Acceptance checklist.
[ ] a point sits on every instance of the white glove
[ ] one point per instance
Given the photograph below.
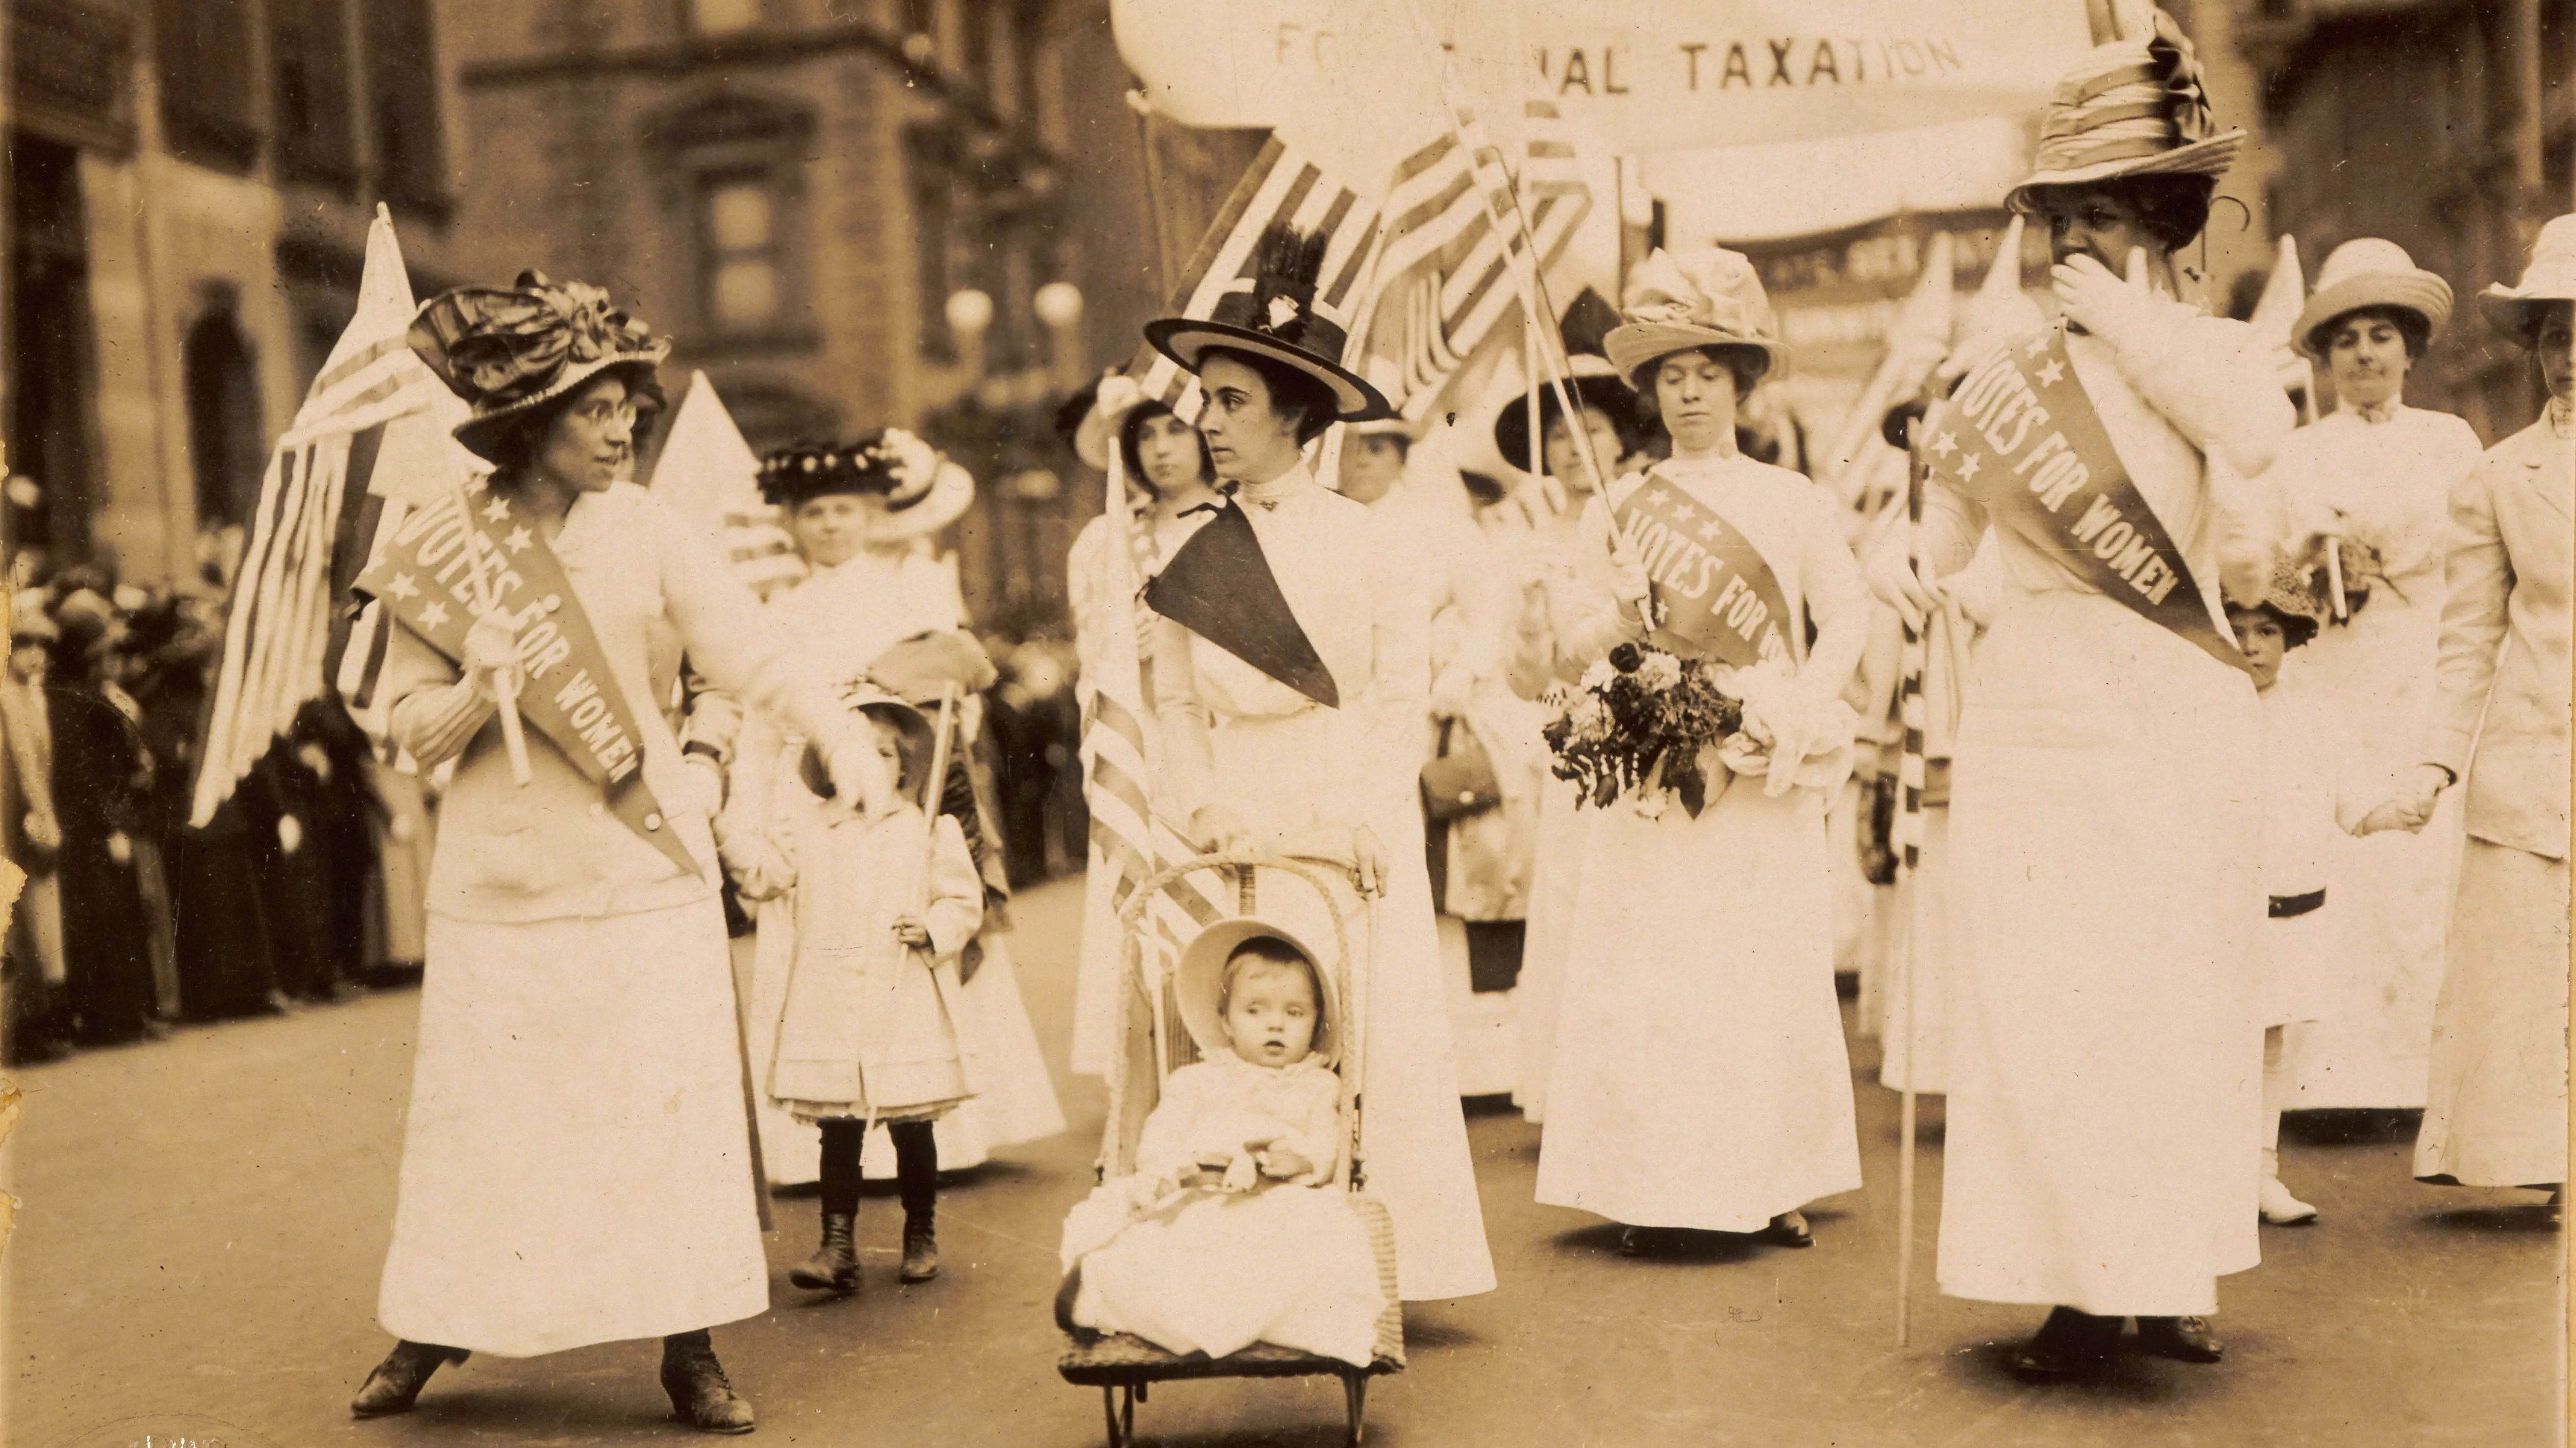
(491, 653)
(2123, 312)
(703, 790)
(1629, 583)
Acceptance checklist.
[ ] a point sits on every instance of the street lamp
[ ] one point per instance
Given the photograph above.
(1059, 306)
(969, 313)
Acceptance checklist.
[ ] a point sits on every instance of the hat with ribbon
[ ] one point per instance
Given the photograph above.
(2551, 277)
(509, 350)
(2130, 108)
(1275, 313)
(1678, 301)
(1199, 984)
(923, 491)
(1595, 387)
(2369, 272)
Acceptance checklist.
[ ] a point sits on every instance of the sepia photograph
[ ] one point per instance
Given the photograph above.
(1277, 723)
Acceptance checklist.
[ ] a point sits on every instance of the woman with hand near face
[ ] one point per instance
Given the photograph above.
(2378, 474)
(1291, 674)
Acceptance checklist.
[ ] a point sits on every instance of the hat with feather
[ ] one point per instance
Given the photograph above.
(1276, 312)
(2133, 107)
(923, 491)
(508, 351)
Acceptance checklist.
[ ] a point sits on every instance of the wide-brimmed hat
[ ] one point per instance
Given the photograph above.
(1199, 984)
(510, 350)
(863, 697)
(2130, 108)
(1679, 301)
(1596, 387)
(923, 490)
(2369, 272)
(1275, 313)
(2551, 277)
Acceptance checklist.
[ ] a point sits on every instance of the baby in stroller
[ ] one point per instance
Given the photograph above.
(1233, 1229)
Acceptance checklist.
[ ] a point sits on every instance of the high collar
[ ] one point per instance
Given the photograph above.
(2376, 413)
(1268, 496)
(2562, 417)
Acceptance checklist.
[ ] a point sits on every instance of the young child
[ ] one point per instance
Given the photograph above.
(1233, 1228)
(866, 1030)
(2311, 788)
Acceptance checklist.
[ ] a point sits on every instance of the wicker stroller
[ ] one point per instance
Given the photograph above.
(1123, 1366)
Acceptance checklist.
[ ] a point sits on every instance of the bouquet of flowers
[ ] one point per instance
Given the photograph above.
(1643, 718)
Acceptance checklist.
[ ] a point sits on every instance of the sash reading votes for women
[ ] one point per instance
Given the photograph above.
(1713, 592)
(568, 691)
(2021, 438)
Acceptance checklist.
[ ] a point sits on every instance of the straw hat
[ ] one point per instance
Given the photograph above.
(1199, 982)
(2369, 273)
(2551, 277)
(1596, 386)
(2130, 108)
(1678, 301)
(1275, 313)
(509, 350)
(923, 491)
(2296, 595)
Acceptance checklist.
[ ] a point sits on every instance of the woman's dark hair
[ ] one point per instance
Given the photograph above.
(1131, 434)
(2410, 325)
(515, 446)
(2172, 209)
(1292, 391)
(1747, 363)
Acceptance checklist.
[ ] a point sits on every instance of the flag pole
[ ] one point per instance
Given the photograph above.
(1537, 311)
(1913, 717)
(487, 604)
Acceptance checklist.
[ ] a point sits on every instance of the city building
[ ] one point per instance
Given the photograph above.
(848, 214)
(189, 186)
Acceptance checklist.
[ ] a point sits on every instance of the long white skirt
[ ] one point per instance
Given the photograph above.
(576, 1165)
(1556, 877)
(1701, 1079)
(2106, 1063)
(1017, 1103)
(1290, 774)
(2498, 1113)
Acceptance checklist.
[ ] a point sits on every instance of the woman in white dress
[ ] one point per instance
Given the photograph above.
(2102, 1135)
(1558, 577)
(871, 585)
(576, 1166)
(1170, 483)
(1290, 671)
(1700, 1078)
(2379, 474)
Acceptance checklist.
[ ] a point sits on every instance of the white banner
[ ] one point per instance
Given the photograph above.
(1641, 75)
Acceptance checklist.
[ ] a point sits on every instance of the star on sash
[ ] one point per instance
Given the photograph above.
(518, 541)
(1684, 512)
(434, 614)
(1968, 466)
(2039, 345)
(498, 510)
(401, 586)
(1710, 530)
(1943, 444)
(2050, 375)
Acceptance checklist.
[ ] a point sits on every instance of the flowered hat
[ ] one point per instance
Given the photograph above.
(2369, 272)
(2130, 108)
(508, 350)
(2551, 277)
(1199, 984)
(1678, 301)
(1277, 313)
(2297, 595)
(1596, 387)
(923, 491)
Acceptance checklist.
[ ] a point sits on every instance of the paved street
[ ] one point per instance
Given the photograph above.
(204, 1217)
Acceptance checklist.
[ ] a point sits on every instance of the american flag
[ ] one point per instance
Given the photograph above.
(374, 418)
(711, 475)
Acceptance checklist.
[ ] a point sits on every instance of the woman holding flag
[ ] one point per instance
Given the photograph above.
(576, 1163)
(1700, 1080)
(1290, 673)
(2102, 1143)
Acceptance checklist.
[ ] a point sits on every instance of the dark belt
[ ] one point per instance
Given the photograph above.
(2290, 907)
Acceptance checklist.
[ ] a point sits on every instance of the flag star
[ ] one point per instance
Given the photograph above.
(518, 541)
(434, 614)
(498, 510)
(1710, 529)
(1684, 512)
(401, 586)
(1968, 466)
(2050, 374)
(1943, 444)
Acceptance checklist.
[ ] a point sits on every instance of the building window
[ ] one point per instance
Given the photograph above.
(202, 52)
(722, 17)
(225, 433)
(738, 228)
(934, 223)
(309, 53)
(402, 91)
